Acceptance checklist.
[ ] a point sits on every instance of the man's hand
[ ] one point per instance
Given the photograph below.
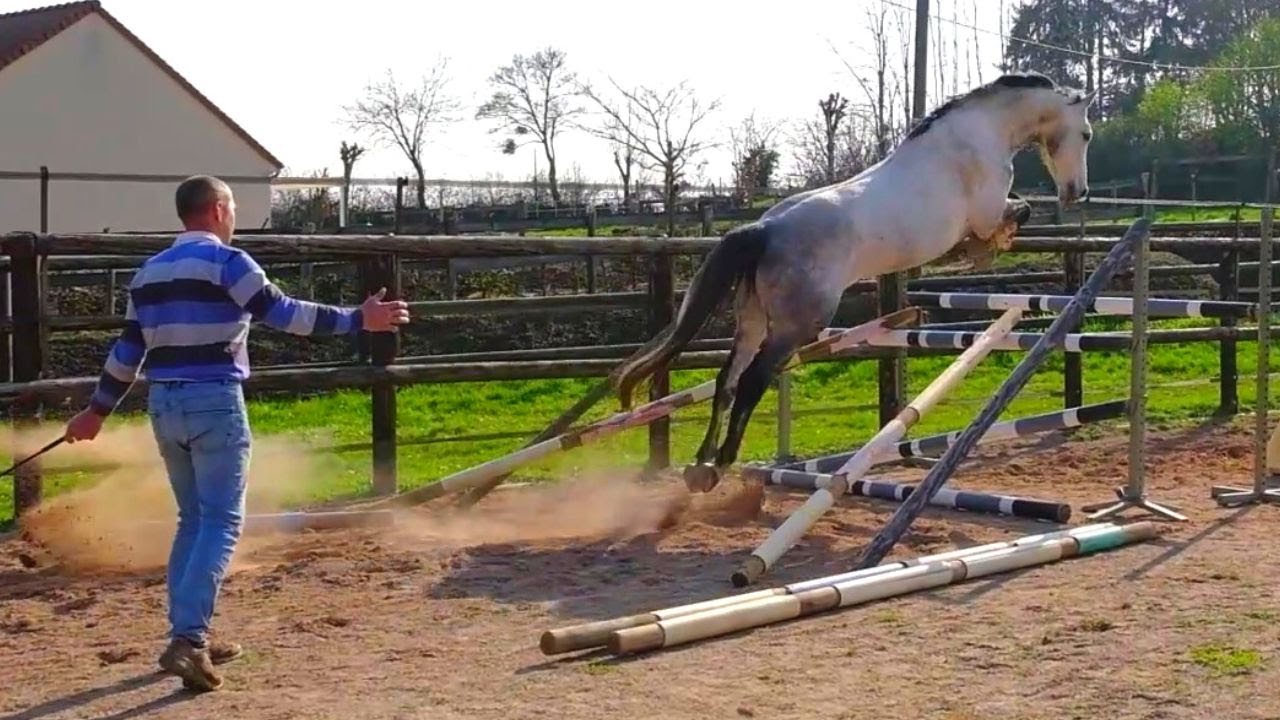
(382, 316)
(84, 426)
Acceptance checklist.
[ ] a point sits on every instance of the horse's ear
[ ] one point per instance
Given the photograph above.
(1086, 99)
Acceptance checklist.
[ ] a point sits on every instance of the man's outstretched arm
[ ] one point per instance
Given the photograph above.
(250, 288)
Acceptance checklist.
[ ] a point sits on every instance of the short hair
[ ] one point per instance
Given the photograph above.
(198, 192)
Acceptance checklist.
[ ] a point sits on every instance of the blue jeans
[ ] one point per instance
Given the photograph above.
(203, 433)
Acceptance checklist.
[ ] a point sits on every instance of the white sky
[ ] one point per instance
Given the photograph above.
(283, 68)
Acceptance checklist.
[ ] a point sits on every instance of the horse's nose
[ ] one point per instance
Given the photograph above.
(1084, 192)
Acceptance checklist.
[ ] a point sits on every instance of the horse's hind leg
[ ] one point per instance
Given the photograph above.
(777, 350)
(748, 335)
(798, 309)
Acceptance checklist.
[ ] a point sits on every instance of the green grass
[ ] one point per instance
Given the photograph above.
(834, 403)
(1226, 660)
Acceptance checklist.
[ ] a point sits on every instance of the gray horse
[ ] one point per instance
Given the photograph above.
(948, 181)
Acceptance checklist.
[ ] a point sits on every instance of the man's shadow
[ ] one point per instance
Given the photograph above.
(84, 697)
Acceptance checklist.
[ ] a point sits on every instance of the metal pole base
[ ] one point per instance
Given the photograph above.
(1229, 496)
(1102, 511)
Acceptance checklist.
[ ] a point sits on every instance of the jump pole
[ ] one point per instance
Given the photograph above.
(972, 501)
(1156, 307)
(557, 426)
(862, 590)
(478, 475)
(1072, 343)
(1007, 430)
(907, 512)
(596, 634)
(795, 526)
(1228, 496)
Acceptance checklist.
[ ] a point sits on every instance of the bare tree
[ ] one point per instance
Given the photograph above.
(400, 115)
(753, 145)
(533, 97)
(624, 152)
(348, 154)
(878, 93)
(833, 147)
(663, 133)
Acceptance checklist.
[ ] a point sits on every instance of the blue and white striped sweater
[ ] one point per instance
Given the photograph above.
(188, 318)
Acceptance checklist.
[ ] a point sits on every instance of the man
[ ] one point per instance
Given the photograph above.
(188, 316)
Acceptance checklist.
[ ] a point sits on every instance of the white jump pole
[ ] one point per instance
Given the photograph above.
(596, 634)
(822, 500)
(864, 589)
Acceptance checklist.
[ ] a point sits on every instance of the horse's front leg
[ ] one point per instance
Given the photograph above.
(992, 232)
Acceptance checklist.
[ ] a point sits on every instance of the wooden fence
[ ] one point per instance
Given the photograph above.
(31, 262)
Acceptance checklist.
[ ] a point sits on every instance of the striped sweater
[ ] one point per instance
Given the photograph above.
(188, 318)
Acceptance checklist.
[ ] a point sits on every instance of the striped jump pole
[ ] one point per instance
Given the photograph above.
(860, 590)
(971, 501)
(596, 634)
(1008, 430)
(1072, 343)
(906, 513)
(475, 476)
(795, 526)
(1156, 307)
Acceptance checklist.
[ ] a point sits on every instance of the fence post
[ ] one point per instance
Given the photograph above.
(891, 290)
(44, 199)
(784, 418)
(1073, 363)
(591, 259)
(6, 374)
(383, 271)
(28, 360)
(1228, 370)
(661, 312)
(399, 211)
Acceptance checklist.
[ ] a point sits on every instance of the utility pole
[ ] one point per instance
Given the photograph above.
(892, 289)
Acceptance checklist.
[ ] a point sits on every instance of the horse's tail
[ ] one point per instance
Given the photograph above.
(733, 259)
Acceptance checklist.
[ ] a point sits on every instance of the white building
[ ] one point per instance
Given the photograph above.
(79, 93)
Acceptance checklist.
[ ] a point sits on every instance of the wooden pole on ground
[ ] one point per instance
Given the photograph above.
(823, 499)
(907, 512)
(860, 590)
(596, 634)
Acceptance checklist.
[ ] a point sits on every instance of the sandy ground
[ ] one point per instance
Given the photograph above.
(439, 617)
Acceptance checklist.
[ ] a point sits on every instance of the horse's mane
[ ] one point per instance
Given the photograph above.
(1004, 83)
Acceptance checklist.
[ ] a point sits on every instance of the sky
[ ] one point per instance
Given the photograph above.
(283, 69)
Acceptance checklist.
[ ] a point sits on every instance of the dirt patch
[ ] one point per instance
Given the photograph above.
(439, 616)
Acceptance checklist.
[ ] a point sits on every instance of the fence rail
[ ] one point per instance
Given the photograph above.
(31, 260)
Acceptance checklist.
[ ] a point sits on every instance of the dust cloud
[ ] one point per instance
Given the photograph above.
(124, 518)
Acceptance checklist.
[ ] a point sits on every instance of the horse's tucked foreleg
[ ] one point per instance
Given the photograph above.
(986, 239)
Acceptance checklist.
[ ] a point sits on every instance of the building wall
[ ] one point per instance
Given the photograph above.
(89, 101)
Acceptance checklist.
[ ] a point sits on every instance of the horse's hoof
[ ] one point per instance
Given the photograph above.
(701, 478)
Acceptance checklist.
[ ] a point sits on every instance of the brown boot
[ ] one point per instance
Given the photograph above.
(224, 651)
(191, 664)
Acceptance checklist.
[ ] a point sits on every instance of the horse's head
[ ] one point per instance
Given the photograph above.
(1062, 135)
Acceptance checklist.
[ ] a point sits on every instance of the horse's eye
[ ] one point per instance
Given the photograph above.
(1087, 135)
